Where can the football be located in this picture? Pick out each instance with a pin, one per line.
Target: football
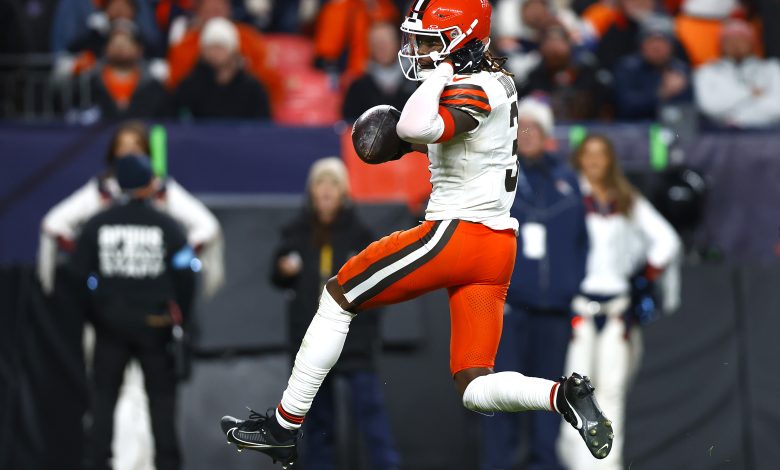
(374, 136)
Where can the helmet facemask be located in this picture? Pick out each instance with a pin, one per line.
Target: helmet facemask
(440, 42)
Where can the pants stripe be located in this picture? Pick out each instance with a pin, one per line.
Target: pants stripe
(396, 271)
(390, 259)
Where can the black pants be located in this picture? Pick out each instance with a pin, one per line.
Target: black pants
(113, 350)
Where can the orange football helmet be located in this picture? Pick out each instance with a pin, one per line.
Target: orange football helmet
(452, 23)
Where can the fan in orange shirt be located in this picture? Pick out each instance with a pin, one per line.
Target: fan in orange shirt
(342, 28)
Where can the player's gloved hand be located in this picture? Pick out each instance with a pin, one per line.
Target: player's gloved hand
(468, 58)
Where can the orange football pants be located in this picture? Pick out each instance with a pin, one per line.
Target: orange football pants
(473, 262)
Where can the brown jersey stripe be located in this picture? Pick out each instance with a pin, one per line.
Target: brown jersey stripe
(468, 104)
(465, 86)
(465, 96)
(464, 91)
(468, 101)
(390, 259)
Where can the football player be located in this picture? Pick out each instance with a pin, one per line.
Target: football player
(465, 111)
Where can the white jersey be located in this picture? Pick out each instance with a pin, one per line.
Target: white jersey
(621, 244)
(474, 174)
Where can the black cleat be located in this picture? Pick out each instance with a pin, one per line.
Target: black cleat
(578, 406)
(263, 434)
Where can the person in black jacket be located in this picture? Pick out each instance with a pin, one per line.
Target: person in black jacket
(326, 233)
(139, 269)
(572, 82)
(653, 77)
(218, 86)
(383, 82)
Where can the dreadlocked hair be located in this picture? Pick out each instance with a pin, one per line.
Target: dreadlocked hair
(494, 64)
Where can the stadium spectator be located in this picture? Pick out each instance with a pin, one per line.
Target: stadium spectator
(281, 16)
(627, 235)
(137, 264)
(77, 19)
(342, 30)
(60, 228)
(740, 89)
(519, 40)
(600, 16)
(121, 84)
(313, 247)
(549, 267)
(576, 88)
(623, 36)
(218, 86)
(185, 48)
(698, 27)
(169, 12)
(384, 81)
(62, 223)
(524, 20)
(520, 22)
(81, 29)
(654, 76)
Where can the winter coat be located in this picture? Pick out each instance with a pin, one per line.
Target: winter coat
(548, 194)
(347, 236)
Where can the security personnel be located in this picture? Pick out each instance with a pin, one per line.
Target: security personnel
(136, 262)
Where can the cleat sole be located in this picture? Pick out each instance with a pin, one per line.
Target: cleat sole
(586, 416)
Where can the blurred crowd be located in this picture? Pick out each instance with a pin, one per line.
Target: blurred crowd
(249, 59)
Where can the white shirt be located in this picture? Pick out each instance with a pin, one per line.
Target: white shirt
(620, 245)
(724, 91)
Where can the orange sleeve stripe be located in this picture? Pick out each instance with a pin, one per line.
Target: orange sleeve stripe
(466, 101)
(464, 91)
(449, 124)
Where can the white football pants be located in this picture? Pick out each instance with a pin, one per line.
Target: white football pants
(610, 358)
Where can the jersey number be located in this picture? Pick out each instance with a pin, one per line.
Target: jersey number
(510, 181)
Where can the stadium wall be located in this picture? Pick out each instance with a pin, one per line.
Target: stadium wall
(703, 398)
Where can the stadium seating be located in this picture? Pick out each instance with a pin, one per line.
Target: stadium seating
(403, 180)
(286, 52)
(312, 98)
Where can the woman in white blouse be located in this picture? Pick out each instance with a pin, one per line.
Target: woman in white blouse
(626, 235)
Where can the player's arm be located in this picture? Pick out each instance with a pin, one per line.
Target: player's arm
(424, 120)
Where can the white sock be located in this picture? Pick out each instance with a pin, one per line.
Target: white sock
(510, 391)
(319, 351)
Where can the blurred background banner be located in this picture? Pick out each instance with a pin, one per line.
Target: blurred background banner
(43, 163)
